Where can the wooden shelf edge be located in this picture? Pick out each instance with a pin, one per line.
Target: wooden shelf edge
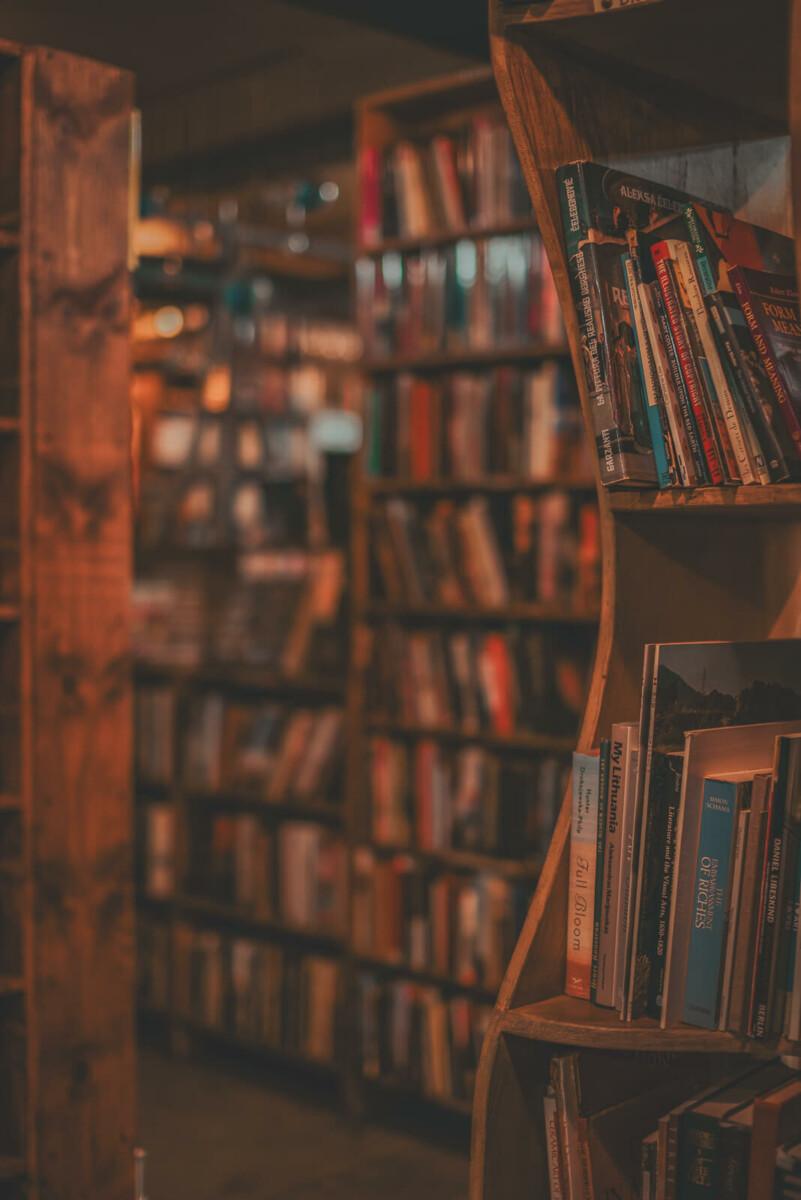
(228, 914)
(284, 1054)
(447, 237)
(460, 860)
(490, 484)
(543, 613)
(372, 962)
(772, 499)
(445, 360)
(287, 810)
(568, 1021)
(523, 742)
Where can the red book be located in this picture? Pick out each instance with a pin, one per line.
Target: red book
(421, 443)
(369, 196)
(497, 672)
(662, 261)
(424, 769)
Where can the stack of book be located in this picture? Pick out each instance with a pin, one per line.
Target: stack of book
(489, 550)
(455, 926)
(417, 1037)
(257, 993)
(474, 295)
(690, 333)
(452, 182)
(737, 1137)
(685, 872)
(284, 613)
(266, 750)
(436, 798)
(470, 425)
(232, 862)
(154, 711)
(515, 681)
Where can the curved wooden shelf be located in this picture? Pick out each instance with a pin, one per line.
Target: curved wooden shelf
(450, 360)
(576, 84)
(447, 237)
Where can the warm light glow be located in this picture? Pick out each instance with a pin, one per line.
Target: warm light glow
(168, 321)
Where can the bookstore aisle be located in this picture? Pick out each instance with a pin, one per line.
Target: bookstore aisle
(211, 1135)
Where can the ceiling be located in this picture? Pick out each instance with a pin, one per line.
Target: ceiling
(212, 74)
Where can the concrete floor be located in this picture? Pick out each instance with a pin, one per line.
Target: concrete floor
(211, 1136)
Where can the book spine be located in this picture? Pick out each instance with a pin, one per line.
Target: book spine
(698, 1168)
(725, 399)
(769, 900)
(699, 250)
(600, 843)
(680, 387)
(735, 1147)
(626, 900)
(650, 381)
(583, 267)
(793, 1031)
(733, 918)
(669, 294)
(752, 418)
(552, 1147)
(648, 1165)
(581, 896)
(563, 1084)
(613, 851)
(685, 469)
(718, 814)
(765, 353)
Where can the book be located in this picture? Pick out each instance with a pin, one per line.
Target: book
(776, 1117)
(583, 866)
(707, 752)
(602, 970)
(693, 684)
(626, 735)
(745, 947)
(732, 916)
(553, 1146)
(770, 306)
(599, 207)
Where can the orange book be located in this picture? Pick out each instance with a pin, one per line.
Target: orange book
(422, 458)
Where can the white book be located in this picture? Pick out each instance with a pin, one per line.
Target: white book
(552, 1146)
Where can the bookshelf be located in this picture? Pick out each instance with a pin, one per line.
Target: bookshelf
(240, 637)
(418, 115)
(712, 563)
(66, 913)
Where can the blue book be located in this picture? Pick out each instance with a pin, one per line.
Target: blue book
(719, 813)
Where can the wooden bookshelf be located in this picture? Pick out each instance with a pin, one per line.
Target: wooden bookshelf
(577, 84)
(67, 1113)
(418, 113)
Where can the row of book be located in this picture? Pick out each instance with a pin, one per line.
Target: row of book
(276, 390)
(451, 182)
(476, 295)
(437, 798)
(685, 872)
(280, 612)
(416, 1037)
(271, 751)
(489, 550)
(690, 334)
(156, 845)
(296, 874)
(264, 447)
(499, 682)
(468, 425)
(679, 1129)
(456, 926)
(258, 992)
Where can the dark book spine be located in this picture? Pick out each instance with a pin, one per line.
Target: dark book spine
(762, 988)
(675, 317)
(600, 844)
(767, 453)
(735, 1152)
(584, 281)
(766, 354)
(699, 1157)
(688, 420)
(657, 883)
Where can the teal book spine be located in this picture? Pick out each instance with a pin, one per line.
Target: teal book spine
(705, 952)
(600, 843)
(645, 364)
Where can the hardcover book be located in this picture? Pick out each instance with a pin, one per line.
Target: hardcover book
(581, 895)
(695, 685)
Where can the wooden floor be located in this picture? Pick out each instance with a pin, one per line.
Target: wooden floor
(210, 1136)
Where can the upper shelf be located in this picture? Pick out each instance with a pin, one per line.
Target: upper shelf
(780, 499)
(738, 58)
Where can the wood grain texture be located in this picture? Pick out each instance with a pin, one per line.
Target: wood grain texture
(678, 566)
(78, 546)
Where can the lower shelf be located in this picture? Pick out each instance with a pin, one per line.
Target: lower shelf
(265, 1050)
(429, 978)
(573, 1022)
(405, 1091)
